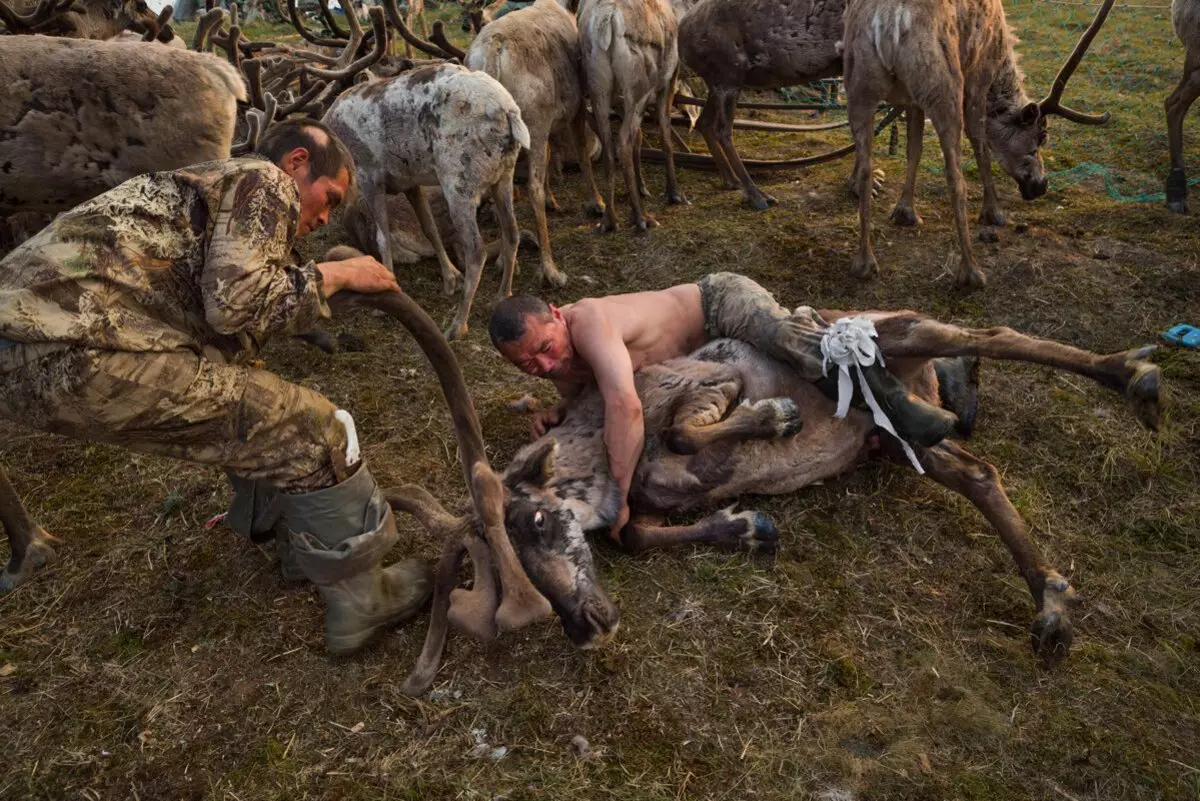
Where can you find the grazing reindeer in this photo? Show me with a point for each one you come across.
(1185, 14)
(630, 54)
(954, 61)
(442, 125)
(763, 44)
(534, 54)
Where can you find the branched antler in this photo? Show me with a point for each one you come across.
(397, 21)
(438, 37)
(202, 38)
(1052, 103)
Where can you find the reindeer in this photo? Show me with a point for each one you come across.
(763, 44)
(442, 125)
(704, 447)
(83, 19)
(1185, 14)
(630, 54)
(534, 54)
(955, 62)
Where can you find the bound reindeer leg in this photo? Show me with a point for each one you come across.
(31, 545)
(702, 420)
(743, 531)
(1127, 372)
(1051, 633)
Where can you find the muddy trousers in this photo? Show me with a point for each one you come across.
(738, 308)
(279, 442)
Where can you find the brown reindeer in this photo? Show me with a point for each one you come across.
(952, 60)
(1185, 14)
(630, 55)
(704, 447)
(534, 54)
(81, 19)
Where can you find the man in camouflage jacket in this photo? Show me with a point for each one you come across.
(134, 319)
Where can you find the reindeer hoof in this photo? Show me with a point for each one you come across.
(1052, 634)
(37, 555)
(594, 209)
(971, 278)
(677, 198)
(1143, 392)
(607, 224)
(905, 216)
(456, 330)
(451, 283)
(645, 223)
(553, 276)
(759, 201)
(1177, 191)
(761, 536)
(787, 417)
(864, 267)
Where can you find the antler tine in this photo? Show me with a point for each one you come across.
(438, 37)
(309, 36)
(165, 32)
(327, 15)
(252, 71)
(253, 132)
(202, 38)
(270, 107)
(397, 22)
(302, 102)
(229, 44)
(1052, 103)
(379, 28)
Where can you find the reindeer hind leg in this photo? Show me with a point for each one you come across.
(31, 545)
(749, 531)
(1177, 106)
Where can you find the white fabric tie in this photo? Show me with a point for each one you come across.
(353, 454)
(851, 341)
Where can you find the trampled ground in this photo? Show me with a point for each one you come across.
(882, 654)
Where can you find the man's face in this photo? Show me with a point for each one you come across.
(544, 350)
(319, 197)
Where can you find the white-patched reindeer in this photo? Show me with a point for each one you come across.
(441, 125)
(630, 57)
(534, 54)
(952, 60)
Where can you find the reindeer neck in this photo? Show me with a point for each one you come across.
(1007, 90)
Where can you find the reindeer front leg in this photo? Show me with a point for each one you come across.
(1177, 107)
(976, 111)
(1051, 634)
(451, 277)
(748, 531)
(30, 544)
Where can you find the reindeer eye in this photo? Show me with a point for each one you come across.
(539, 520)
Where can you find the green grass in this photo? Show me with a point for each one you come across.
(883, 654)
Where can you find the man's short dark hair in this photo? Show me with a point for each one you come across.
(508, 317)
(325, 159)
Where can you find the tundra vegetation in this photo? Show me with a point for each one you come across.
(882, 653)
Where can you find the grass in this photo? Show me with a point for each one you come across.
(882, 655)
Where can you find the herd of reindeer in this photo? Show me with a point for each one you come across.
(93, 92)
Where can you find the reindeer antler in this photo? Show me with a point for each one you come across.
(397, 20)
(347, 66)
(202, 38)
(298, 24)
(438, 37)
(1051, 104)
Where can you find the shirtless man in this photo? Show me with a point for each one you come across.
(607, 339)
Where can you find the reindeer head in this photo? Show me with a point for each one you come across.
(546, 527)
(1016, 126)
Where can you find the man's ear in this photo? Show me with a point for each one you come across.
(533, 467)
(295, 160)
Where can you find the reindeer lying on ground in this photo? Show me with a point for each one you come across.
(955, 62)
(630, 55)
(442, 125)
(1185, 14)
(534, 54)
(704, 447)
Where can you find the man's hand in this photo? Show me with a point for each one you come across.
(361, 274)
(622, 518)
(546, 419)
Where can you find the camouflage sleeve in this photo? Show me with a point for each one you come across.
(250, 284)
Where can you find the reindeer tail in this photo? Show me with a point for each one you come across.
(517, 128)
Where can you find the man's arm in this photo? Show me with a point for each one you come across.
(250, 285)
(546, 419)
(624, 429)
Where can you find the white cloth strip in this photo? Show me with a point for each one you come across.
(353, 454)
(851, 341)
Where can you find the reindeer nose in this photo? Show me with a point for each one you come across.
(1032, 190)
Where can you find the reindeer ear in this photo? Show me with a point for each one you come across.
(533, 466)
(1029, 115)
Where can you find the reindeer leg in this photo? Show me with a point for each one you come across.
(1177, 107)
(577, 130)
(743, 531)
(975, 479)
(947, 116)
(1140, 381)
(665, 99)
(751, 195)
(30, 544)
(462, 212)
(861, 110)
(642, 191)
(770, 418)
(976, 111)
(383, 228)
(708, 123)
(510, 232)
(601, 108)
(905, 212)
(548, 272)
(451, 277)
(551, 200)
(628, 149)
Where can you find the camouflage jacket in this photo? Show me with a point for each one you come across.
(197, 258)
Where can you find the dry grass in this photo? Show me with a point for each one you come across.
(882, 654)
